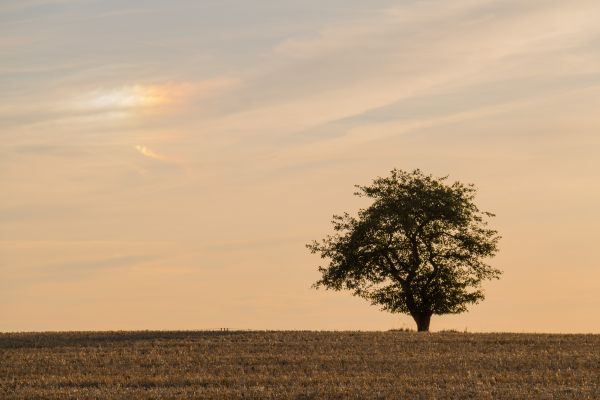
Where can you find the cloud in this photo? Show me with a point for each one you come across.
(16, 5)
(43, 149)
(101, 263)
(86, 105)
(38, 212)
(84, 268)
(405, 53)
(146, 152)
(124, 98)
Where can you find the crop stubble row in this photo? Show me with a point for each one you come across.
(298, 365)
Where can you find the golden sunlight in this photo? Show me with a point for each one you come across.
(146, 152)
(125, 98)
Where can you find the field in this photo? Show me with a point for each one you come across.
(298, 365)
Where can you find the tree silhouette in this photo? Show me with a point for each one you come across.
(418, 249)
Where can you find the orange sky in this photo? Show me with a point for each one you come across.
(166, 172)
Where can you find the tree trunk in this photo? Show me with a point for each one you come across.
(422, 320)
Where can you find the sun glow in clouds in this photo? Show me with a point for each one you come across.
(146, 152)
(127, 97)
(125, 101)
(141, 100)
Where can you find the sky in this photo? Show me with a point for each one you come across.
(164, 163)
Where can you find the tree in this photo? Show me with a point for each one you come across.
(418, 249)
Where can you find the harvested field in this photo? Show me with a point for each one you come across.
(298, 365)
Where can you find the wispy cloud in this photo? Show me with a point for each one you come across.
(146, 152)
(399, 54)
(13, 5)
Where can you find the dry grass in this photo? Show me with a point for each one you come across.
(298, 365)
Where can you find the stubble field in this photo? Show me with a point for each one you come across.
(298, 365)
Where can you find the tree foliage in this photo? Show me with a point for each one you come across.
(418, 249)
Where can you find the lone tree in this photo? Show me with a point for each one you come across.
(418, 249)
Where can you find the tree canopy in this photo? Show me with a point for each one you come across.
(418, 249)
